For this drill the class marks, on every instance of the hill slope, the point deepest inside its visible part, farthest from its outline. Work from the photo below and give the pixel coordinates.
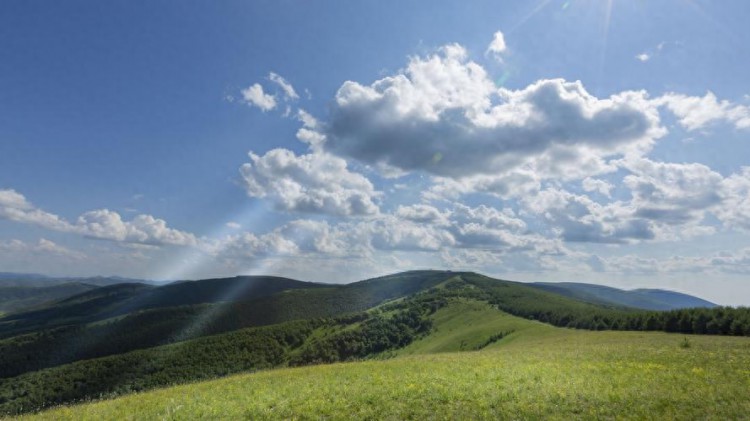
(646, 299)
(399, 315)
(76, 329)
(548, 373)
(18, 298)
(124, 298)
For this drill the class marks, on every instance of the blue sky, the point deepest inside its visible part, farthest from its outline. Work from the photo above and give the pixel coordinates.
(595, 141)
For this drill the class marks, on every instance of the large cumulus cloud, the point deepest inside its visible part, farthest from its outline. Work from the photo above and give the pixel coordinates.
(444, 115)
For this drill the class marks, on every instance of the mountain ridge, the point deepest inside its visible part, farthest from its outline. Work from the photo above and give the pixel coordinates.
(641, 298)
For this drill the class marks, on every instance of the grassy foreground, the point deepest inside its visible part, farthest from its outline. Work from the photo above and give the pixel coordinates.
(535, 372)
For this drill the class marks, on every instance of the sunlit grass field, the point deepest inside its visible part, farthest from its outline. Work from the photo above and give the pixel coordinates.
(536, 372)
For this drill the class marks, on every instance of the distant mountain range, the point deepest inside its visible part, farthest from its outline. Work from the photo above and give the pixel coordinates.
(11, 279)
(25, 291)
(646, 299)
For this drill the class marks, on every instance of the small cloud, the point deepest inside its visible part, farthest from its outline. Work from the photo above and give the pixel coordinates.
(653, 52)
(233, 225)
(307, 119)
(497, 47)
(595, 185)
(254, 95)
(289, 92)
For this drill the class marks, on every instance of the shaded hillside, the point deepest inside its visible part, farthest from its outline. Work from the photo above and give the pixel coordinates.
(676, 299)
(413, 312)
(121, 299)
(18, 298)
(646, 299)
(45, 344)
(298, 343)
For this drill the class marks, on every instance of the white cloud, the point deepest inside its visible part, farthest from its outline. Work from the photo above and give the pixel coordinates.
(444, 116)
(725, 261)
(144, 229)
(594, 185)
(643, 57)
(578, 218)
(423, 214)
(254, 95)
(314, 183)
(391, 233)
(44, 247)
(308, 133)
(735, 194)
(285, 86)
(497, 47)
(696, 112)
(15, 207)
(248, 246)
(415, 228)
(101, 223)
(485, 226)
(673, 194)
(233, 225)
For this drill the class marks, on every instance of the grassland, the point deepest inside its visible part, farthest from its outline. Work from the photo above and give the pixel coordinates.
(537, 371)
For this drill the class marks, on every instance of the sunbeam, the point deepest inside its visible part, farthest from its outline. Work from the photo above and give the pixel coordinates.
(605, 38)
(189, 261)
(539, 6)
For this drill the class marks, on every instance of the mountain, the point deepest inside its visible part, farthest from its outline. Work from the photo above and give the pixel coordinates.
(646, 299)
(17, 298)
(126, 317)
(11, 279)
(674, 299)
(133, 337)
(125, 298)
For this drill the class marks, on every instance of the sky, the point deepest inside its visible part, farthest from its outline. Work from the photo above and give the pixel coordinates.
(601, 141)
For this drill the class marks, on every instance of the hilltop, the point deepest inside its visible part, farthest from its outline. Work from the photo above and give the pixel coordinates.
(131, 337)
(536, 371)
(646, 299)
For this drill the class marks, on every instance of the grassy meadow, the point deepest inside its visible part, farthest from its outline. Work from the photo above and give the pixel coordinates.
(537, 371)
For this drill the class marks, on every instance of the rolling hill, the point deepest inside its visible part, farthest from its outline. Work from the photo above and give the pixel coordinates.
(19, 298)
(12, 279)
(646, 299)
(536, 372)
(130, 337)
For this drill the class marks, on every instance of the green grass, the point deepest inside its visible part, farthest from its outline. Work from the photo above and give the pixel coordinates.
(536, 372)
(465, 324)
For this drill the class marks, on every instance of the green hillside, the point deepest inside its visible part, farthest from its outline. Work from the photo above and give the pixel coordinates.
(398, 317)
(646, 299)
(466, 325)
(19, 298)
(74, 330)
(301, 342)
(536, 372)
(120, 299)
